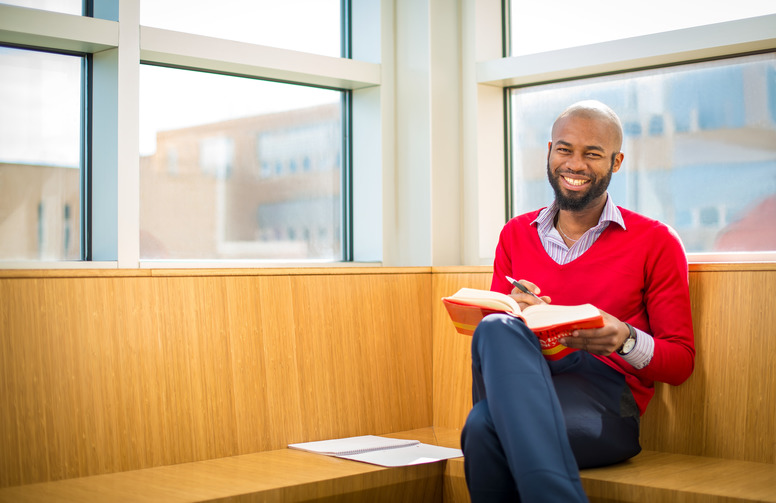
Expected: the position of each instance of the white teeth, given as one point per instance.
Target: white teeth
(573, 181)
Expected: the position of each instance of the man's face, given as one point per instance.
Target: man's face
(581, 161)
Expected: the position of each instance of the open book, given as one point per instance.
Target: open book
(381, 451)
(549, 322)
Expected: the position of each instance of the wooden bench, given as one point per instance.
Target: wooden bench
(163, 385)
(278, 475)
(147, 380)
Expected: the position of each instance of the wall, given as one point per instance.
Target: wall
(111, 371)
(105, 371)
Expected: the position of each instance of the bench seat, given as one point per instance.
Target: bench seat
(290, 475)
(279, 475)
(666, 478)
(652, 476)
(134, 425)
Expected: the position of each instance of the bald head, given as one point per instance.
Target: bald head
(594, 110)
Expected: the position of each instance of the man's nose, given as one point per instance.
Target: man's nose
(575, 163)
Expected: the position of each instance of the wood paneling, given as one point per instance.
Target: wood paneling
(452, 351)
(102, 373)
(108, 371)
(727, 407)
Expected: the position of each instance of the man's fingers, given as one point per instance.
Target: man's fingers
(595, 345)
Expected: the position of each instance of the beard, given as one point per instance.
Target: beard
(577, 201)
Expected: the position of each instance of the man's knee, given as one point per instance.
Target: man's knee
(478, 423)
(494, 322)
(498, 324)
(495, 328)
(479, 441)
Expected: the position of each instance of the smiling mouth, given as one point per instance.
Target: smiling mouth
(575, 182)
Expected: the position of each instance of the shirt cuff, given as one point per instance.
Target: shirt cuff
(641, 354)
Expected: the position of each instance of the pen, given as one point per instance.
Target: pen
(522, 288)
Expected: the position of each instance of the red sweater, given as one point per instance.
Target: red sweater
(638, 275)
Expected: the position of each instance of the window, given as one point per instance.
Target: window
(172, 161)
(216, 156)
(96, 201)
(546, 26)
(236, 193)
(312, 26)
(700, 147)
(63, 6)
(40, 145)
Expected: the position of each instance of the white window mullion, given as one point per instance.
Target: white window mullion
(104, 159)
(128, 129)
(372, 34)
(115, 139)
(482, 120)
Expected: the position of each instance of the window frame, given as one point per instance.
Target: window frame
(84, 170)
(703, 43)
(116, 44)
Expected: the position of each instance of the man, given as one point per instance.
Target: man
(535, 422)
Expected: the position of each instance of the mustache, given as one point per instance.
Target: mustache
(573, 173)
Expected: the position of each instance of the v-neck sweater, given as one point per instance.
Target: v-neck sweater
(638, 274)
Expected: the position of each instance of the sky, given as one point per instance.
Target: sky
(171, 99)
(40, 108)
(539, 26)
(49, 133)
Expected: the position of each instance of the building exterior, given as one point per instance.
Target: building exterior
(40, 212)
(263, 187)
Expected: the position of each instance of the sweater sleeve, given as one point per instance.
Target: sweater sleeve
(667, 302)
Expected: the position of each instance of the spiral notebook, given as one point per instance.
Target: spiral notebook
(381, 451)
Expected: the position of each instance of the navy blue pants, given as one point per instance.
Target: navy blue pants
(534, 423)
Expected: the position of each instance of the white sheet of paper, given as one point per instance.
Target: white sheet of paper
(382, 451)
(352, 445)
(405, 456)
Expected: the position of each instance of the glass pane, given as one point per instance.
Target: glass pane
(546, 26)
(64, 6)
(700, 148)
(302, 25)
(40, 123)
(237, 168)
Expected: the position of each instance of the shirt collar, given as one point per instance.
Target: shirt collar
(546, 218)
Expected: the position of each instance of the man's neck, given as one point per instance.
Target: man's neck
(576, 223)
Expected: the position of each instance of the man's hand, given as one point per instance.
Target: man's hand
(599, 341)
(523, 299)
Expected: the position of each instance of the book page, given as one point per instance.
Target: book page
(486, 298)
(542, 315)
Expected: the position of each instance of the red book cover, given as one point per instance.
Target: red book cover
(549, 322)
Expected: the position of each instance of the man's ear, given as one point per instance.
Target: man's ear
(549, 149)
(617, 162)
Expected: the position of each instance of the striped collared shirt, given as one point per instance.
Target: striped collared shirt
(557, 249)
(553, 242)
